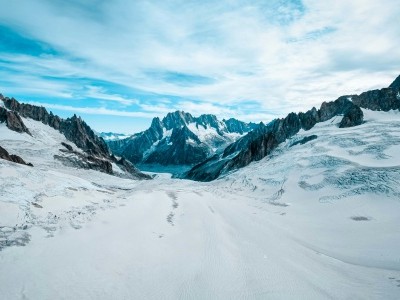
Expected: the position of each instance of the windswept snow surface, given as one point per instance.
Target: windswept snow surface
(313, 221)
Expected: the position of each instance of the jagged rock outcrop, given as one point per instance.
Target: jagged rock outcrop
(309, 118)
(12, 157)
(74, 129)
(331, 109)
(133, 148)
(177, 119)
(236, 126)
(384, 99)
(353, 117)
(37, 113)
(304, 140)
(77, 131)
(13, 120)
(179, 139)
(395, 84)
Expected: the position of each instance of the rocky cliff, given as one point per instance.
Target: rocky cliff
(12, 157)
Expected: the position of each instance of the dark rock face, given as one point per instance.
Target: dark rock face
(287, 127)
(177, 119)
(182, 148)
(385, 99)
(245, 141)
(329, 110)
(212, 168)
(208, 120)
(304, 140)
(69, 147)
(258, 149)
(170, 141)
(309, 119)
(13, 120)
(133, 148)
(236, 126)
(31, 111)
(396, 83)
(77, 131)
(353, 117)
(14, 158)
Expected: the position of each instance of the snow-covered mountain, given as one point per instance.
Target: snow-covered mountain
(112, 136)
(53, 140)
(266, 138)
(180, 139)
(318, 218)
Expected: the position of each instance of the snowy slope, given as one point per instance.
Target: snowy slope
(313, 221)
(38, 148)
(343, 186)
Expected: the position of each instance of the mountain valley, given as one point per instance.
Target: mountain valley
(304, 207)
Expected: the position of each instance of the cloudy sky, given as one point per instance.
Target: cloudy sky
(119, 63)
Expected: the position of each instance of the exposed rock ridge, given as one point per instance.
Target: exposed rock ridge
(12, 157)
(74, 129)
(396, 83)
(12, 120)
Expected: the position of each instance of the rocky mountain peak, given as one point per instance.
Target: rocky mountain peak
(208, 120)
(177, 119)
(156, 123)
(396, 83)
(75, 129)
(12, 120)
(178, 134)
(234, 125)
(184, 134)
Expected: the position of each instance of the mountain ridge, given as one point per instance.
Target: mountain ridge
(261, 142)
(180, 139)
(75, 130)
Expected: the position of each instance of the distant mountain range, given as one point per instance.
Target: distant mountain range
(179, 139)
(210, 147)
(112, 136)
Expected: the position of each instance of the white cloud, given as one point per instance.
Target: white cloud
(101, 94)
(278, 55)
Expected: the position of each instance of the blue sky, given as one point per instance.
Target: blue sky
(120, 63)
